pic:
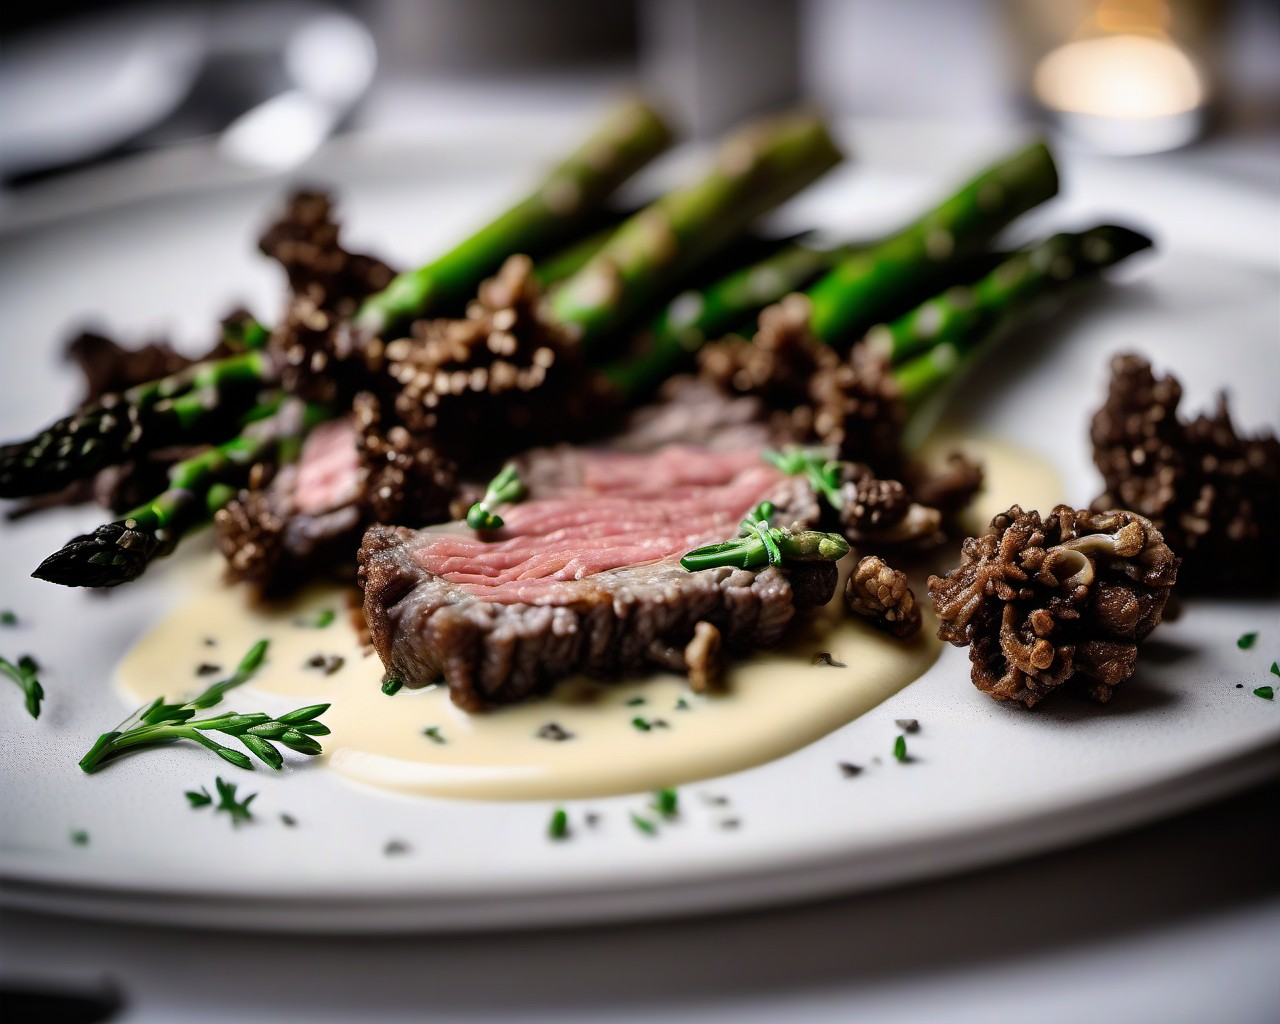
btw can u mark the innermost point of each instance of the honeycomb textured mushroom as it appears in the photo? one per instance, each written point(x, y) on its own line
point(1043, 602)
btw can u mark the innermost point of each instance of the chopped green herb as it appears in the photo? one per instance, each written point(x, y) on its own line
point(8, 618)
point(238, 809)
point(324, 619)
point(432, 732)
point(199, 799)
point(1275, 668)
point(640, 725)
point(635, 702)
point(900, 748)
point(1265, 692)
point(391, 685)
point(80, 837)
point(1247, 640)
point(24, 674)
point(559, 826)
point(158, 724)
point(288, 820)
point(682, 705)
point(666, 802)
point(644, 824)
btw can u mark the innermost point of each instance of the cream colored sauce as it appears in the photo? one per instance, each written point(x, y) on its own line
point(775, 702)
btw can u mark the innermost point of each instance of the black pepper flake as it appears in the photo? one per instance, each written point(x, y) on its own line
point(289, 820)
point(848, 769)
point(328, 665)
point(714, 799)
point(658, 723)
point(210, 642)
point(907, 724)
point(824, 658)
point(315, 661)
point(208, 669)
point(729, 824)
point(1247, 640)
point(555, 732)
point(591, 819)
point(395, 848)
point(1239, 686)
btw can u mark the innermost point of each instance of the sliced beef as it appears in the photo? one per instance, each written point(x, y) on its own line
point(585, 576)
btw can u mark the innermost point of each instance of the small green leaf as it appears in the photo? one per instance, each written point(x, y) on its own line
point(900, 749)
point(644, 824)
point(80, 837)
point(1247, 640)
point(666, 802)
point(1265, 692)
point(8, 618)
point(640, 725)
point(635, 702)
point(323, 620)
point(1275, 668)
point(391, 685)
point(199, 799)
point(558, 828)
point(432, 732)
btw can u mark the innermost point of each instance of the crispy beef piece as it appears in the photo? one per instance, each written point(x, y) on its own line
point(284, 527)
point(584, 578)
point(1214, 494)
point(811, 393)
point(1067, 598)
point(318, 355)
point(878, 592)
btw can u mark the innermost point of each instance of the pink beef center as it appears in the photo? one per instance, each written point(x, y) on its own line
point(629, 510)
point(328, 468)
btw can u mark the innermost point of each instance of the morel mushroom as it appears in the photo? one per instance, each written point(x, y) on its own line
point(1213, 494)
point(1040, 602)
point(879, 592)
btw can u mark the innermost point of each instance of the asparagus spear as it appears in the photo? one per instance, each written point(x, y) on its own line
point(904, 268)
point(928, 344)
point(629, 138)
point(862, 286)
point(193, 405)
point(758, 167)
point(120, 551)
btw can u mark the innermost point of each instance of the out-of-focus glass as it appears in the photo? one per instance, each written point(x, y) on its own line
point(1121, 76)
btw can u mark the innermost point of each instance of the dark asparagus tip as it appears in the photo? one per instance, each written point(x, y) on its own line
point(111, 555)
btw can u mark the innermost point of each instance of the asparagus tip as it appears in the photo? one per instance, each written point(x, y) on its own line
point(113, 554)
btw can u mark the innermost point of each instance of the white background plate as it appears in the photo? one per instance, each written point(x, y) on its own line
point(987, 782)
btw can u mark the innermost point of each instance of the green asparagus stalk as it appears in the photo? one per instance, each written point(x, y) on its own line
point(757, 168)
point(629, 138)
point(929, 344)
point(908, 266)
point(120, 551)
point(195, 405)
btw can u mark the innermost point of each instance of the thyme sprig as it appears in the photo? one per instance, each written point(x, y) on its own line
point(814, 464)
point(158, 723)
point(504, 488)
point(24, 674)
point(759, 543)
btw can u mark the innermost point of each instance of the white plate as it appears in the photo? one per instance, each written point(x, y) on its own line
point(988, 781)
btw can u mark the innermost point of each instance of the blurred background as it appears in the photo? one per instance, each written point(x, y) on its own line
point(264, 84)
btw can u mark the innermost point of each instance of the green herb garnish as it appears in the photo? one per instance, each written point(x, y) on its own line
point(238, 809)
point(432, 732)
point(24, 674)
point(80, 837)
point(900, 749)
point(816, 465)
point(159, 723)
point(635, 702)
point(760, 544)
point(682, 704)
point(1247, 640)
point(666, 802)
point(558, 828)
point(391, 685)
point(1275, 668)
point(8, 618)
point(640, 725)
point(322, 620)
point(504, 488)
point(1265, 692)
point(644, 824)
